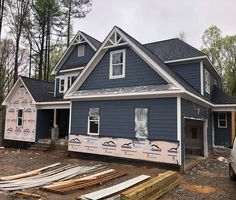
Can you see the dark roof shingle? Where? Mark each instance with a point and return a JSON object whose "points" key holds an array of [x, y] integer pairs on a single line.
{"points": [[42, 91], [173, 49], [219, 97]]}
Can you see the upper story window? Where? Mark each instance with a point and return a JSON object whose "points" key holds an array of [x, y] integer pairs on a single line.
{"points": [[20, 117], [62, 85], [141, 122], [222, 120], [70, 81], [21, 92], [207, 82], [81, 50], [117, 64]]}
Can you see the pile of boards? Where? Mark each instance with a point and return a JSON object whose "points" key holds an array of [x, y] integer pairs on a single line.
{"points": [[139, 188]]}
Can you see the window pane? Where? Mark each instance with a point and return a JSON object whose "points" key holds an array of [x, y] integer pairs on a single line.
{"points": [[141, 121], [69, 81], [93, 127], [222, 116], [117, 58], [93, 113], [19, 121], [20, 113], [73, 79], [117, 70], [223, 123]]}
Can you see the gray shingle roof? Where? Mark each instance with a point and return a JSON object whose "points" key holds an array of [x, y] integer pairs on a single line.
{"points": [[173, 49], [93, 41], [42, 91], [219, 97]]}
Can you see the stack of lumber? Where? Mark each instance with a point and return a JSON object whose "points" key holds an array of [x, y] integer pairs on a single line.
{"points": [[80, 183], [39, 177], [113, 190], [152, 189]]}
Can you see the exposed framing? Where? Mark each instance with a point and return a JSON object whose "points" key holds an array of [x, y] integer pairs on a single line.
{"points": [[111, 76]]}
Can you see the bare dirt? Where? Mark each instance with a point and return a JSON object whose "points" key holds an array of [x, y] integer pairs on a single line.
{"points": [[208, 180]]}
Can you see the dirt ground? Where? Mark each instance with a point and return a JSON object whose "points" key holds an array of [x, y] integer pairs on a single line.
{"points": [[208, 180]]}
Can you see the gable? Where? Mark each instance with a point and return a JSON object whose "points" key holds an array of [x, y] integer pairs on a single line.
{"points": [[137, 73], [75, 61]]}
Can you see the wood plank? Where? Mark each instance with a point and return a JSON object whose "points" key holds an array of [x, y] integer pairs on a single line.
{"points": [[31, 173], [27, 194], [114, 189], [155, 183]]}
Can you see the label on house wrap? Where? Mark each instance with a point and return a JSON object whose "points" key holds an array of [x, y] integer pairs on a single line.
{"points": [[157, 151]]}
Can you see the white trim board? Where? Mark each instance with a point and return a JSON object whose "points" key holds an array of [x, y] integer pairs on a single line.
{"points": [[99, 54], [179, 128], [72, 70], [101, 194], [202, 78], [69, 50]]}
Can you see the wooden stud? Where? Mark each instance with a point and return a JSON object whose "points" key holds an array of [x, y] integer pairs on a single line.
{"points": [[233, 126], [55, 118]]}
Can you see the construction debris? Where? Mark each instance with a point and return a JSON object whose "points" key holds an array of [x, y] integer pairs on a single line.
{"points": [[71, 185], [101, 194], [27, 194], [152, 189], [62, 173], [31, 173]]}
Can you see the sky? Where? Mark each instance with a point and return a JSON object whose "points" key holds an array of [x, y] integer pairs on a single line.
{"points": [[155, 20]]}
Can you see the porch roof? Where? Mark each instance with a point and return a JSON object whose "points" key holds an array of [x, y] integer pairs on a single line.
{"points": [[219, 97]]}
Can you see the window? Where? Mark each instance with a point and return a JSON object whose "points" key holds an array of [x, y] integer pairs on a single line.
{"points": [[117, 64], [20, 117], [207, 82], [80, 50], [141, 122], [222, 120], [21, 92], [93, 121], [70, 81], [62, 86]]}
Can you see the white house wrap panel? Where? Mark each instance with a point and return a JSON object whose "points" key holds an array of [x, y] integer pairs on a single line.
{"points": [[157, 151], [21, 100]]}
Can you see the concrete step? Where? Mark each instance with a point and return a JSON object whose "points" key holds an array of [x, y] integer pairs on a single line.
{"points": [[41, 147]]}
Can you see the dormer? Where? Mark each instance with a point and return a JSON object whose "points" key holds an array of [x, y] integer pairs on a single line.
{"points": [[73, 61]]}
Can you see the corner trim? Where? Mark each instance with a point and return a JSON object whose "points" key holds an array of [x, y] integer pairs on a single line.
{"points": [[179, 128]]}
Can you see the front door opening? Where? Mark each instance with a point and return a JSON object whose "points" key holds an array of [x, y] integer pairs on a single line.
{"points": [[194, 140]]}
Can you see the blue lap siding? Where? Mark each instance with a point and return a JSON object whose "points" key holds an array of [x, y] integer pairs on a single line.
{"points": [[74, 60], [117, 118], [223, 135], [137, 73], [190, 72], [189, 110]]}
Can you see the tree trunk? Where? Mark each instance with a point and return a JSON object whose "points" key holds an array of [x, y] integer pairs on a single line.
{"points": [[16, 57], [68, 25], [1, 15]]}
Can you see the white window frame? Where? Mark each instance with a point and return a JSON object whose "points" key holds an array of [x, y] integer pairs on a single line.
{"points": [[81, 50], [22, 118], [226, 125], [207, 82], [94, 120], [62, 91], [111, 76]]}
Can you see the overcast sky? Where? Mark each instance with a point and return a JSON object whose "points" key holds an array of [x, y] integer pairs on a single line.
{"points": [[154, 20]]}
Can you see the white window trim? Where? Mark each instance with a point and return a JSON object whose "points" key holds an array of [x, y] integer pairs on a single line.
{"points": [[226, 125], [22, 118], [65, 80], [82, 49], [207, 82], [123, 51], [88, 129]]}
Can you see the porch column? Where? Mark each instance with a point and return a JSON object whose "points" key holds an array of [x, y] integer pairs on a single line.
{"points": [[233, 126], [55, 119]]}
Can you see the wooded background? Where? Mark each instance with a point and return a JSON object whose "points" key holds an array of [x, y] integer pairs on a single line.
{"points": [[36, 33]]}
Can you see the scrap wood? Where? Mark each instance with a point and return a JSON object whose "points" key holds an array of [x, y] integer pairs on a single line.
{"points": [[31, 173], [39, 181], [27, 194], [61, 189], [86, 178], [155, 186], [113, 189]]}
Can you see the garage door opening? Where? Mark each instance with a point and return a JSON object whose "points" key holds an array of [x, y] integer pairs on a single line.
{"points": [[194, 137]]}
